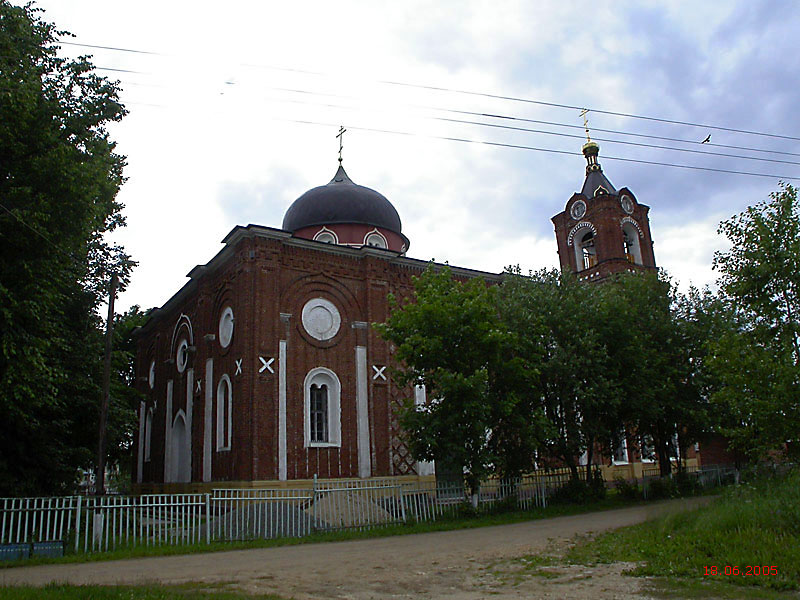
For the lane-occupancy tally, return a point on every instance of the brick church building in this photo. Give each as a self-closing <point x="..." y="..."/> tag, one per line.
<point x="264" y="367"/>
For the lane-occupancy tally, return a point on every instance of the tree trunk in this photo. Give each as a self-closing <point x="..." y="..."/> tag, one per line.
<point x="664" y="463"/>
<point x="589" y="456"/>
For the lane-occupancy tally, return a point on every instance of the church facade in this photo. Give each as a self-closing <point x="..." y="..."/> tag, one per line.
<point x="264" y="367"/>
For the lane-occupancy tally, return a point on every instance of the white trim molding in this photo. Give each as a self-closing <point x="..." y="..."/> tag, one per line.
<point x="376" y="235"/>
<point x="633" y="222"/>
<point x="577" y="227"/>
<point x="208" y="419"/>
<point x="362" y="413"/>
<point x="324" y="235"/>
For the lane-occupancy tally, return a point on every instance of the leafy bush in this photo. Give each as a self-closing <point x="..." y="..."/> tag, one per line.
<point x="505" y="505"/>
<point x="686" y="484"/>
<point x="465" y="510"/>
<point x="662" y="487"/>
<point x="627" y="489"/>
<point x="597" y="486"/>
<point x="578" y="491"/>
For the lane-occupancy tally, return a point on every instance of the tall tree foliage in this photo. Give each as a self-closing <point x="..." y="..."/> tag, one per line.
<point x="758" y="362"/>
<point x="659" y="399"/>
<point x="555" y="319"/>
<point x="450" y="339"/>
<point x="59" y="176"/>
<point x="543" y="365"/>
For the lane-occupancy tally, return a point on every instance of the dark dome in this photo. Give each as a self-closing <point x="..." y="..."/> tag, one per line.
<point x="342" y="201"/>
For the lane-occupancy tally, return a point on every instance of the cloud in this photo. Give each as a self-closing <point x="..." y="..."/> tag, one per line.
<point x="260" y="202"/>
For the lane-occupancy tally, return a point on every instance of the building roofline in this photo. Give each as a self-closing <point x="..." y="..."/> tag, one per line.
<point x="241" y="232"/>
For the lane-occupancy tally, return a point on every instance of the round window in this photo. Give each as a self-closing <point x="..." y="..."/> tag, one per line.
<point x="627" y="204"/>
<point x="578" y="210"/>
<point x="182" y="355"/>
<point x="226" y="327"/>
<point x="321" y="319"/>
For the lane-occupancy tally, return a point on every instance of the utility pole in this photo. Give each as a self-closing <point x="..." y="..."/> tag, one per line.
<point x="100" y="475"/>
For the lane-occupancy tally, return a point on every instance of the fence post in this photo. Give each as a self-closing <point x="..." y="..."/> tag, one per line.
<point x="78" y="525"/>
<point x="402" y="503"/>
<point x="208" y="518"/>
<point x="314" y="504"/>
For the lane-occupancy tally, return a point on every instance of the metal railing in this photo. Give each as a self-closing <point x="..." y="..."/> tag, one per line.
<point x="96" y="524"/>
<point x="28" y="520"/>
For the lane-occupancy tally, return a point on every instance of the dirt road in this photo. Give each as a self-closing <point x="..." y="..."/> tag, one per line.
<point x="459" y="565"/>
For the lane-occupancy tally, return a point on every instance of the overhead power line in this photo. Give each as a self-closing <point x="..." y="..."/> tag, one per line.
<point x="553" y="133"/>
<point x="594" y="110"/>
<point x="112" y="48"/>
<point x="493" y="96"/>
<point x="529" y="130"/>
<point x="538" y="149"/>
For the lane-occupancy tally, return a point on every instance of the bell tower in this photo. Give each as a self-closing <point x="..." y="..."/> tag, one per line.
<point x="602" y="230"/>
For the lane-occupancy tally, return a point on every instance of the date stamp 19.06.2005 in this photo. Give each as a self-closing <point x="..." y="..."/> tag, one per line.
<point x="743" y="571"/>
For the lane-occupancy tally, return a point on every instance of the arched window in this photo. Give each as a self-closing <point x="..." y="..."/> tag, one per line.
<point x="181" y="459"/>
<point x="321" y="392"/>
<point x="326" y="236"/>
<point x="224" y="413"/>
<point x="375" y="239"/>
<point x="588" y="252"/>
<point x="319" y="413"/>
<point x="632" y="247"/>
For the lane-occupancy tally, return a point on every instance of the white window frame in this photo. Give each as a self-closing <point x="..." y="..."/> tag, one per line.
<point x="324" y="233"/>
<point x="224" y="430"/>
<point x="324" y="376"/>
<point x="642" y="450"/>
<point x="227" y="326"/>
<point x="624" y="448"/>
<point x="584" y="259"/>
<point x="375" y="234"/>
<point x="182" y="355"/>
<point x="636" y="247"/>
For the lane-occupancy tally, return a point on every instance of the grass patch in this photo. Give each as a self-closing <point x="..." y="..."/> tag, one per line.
<point x="754" y="524"/>
<point x="442" y="524"/>
<point x="713" y="590"/>
<point x="124" y="592"/>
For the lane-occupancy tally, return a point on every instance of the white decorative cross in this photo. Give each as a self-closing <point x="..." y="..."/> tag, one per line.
<point x="266" y="365"/>
<point x="238" y="366"/>
<point x="379" y="372"/>
<point x="198" y="388"/>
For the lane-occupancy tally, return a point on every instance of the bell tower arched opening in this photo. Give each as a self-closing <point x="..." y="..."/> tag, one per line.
<point x="631" y="244"/>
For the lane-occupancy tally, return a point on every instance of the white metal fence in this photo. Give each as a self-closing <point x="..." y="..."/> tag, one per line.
<point x="93" y="524"/>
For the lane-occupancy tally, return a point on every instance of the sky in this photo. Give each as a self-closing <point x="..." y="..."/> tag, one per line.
<point x="234" y="109"/>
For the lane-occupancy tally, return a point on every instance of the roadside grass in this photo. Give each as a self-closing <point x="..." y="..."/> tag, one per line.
<point x="447" y="523"/>
<point x="664" y="588"/>
<point x="752" y="525"/>
<point x="124" y="592"/>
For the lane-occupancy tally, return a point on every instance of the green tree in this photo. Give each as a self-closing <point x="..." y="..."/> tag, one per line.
<point x="758" y="362"/>
<point x="59" y="176"/>
<point x="703" y="319"/>
<point x="449" y="338"/>
<point x="556" y="319"/>
<point x="650" y="347"/>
